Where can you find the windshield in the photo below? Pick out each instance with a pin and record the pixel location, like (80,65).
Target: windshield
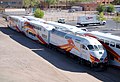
(90,47)
(100,47)
(95,47)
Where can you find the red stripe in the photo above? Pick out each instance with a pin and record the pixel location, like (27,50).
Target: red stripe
(41,40)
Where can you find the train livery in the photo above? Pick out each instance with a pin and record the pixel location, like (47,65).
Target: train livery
(83,47)
(110,42)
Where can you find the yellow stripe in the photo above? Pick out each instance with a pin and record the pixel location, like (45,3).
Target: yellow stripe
(68,49)
(63,47)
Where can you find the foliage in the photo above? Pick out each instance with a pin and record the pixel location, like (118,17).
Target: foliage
(116,2)
(110,8)
(38,13)
(101,17)
(51,1)
(117,19)
(31,3)
(81,0)
(101,8)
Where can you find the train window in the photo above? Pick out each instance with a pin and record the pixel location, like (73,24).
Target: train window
(32,34)
(84,47)
(77,40)
(117,45)
(68,37)
(112,44)
(100,47)
(90,47)
(96,48)
(101,40)
(44,36)
(107,42)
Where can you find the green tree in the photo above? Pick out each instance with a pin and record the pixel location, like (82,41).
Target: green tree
(116,2)
(30,3)
(80,0)
(38,13)
(101,17)
(100,8)
(50,2)
(110,8)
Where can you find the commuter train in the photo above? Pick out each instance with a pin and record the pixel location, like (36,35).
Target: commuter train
(84,48)
(110,42)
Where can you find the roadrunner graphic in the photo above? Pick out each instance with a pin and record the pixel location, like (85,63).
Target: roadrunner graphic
(68,47)
(30,29)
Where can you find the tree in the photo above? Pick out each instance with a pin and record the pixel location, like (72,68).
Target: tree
(80,0)
(101,17)
(116,2)
(49,2)
(110,8)
(38,13)
(30,3)
(100,8)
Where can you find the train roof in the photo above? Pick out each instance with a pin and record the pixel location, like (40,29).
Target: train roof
(18,17)
(46,26)
(34,18)
(106,35)
(83,39)
(61,26)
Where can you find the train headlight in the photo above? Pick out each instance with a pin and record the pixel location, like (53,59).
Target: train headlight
(106,59)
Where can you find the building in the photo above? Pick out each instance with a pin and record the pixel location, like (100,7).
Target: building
(91,6)
(104,1)
(11,3)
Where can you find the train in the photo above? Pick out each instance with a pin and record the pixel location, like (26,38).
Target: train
(87,49)
(110,42)
(112,45)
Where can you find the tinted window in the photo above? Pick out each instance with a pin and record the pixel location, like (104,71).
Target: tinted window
(31,34)
(68,37)
(101,40)
(77,40)
(112,44)
(96,48)
(90,47)
(100,47)
(84,47)
(117,45)
(107,42)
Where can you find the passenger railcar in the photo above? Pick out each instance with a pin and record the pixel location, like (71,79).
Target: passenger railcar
(85,48)
(111,43)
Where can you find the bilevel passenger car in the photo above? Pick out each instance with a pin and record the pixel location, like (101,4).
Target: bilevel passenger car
(111,43)
(32,18)
(38,31)
(16,23)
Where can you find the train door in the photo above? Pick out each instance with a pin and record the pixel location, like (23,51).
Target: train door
(20,25)
(84,51)
(42,34)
